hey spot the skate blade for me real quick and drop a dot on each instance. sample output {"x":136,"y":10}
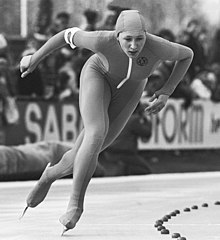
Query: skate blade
{"x":23,"y":212}
{"x":65,"y":230}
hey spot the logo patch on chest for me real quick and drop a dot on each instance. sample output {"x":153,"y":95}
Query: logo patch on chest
{"x":142,"y":61}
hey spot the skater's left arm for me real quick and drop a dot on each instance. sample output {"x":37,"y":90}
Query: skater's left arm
{"x":183,"y":60}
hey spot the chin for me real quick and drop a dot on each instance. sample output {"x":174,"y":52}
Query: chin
{"x":132,"y":55}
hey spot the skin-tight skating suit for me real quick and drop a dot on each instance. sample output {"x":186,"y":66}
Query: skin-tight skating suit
{"x":108,"y":67}
{"x":104,"y":108}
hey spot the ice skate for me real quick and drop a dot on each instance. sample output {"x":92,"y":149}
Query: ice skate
{"x":38,"y":194}
{"x":70,"y":218}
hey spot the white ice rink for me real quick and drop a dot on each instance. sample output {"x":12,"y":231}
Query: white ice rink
{"x":119,"y":208}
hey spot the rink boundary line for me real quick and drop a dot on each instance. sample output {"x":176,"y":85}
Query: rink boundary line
{"x":160,"y":176}
{"x":121,"y":179}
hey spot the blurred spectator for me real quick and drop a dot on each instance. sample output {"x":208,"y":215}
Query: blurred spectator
{"x":67,"y":83}
{"x":215,"y":67}
{"x":111,"y":19}
{"x":91,"y":19}
{"x":51,"y":65}
{"x":7,"y":79}
{"x":204,"y":41}
{"x":155,"y":82}
{"x":62,"y":55}
{"x":109,"y":23}
{"x":184,"y":91}
{"x":214,"y":51}
{"x":60,"y":23}
{"x":204,"y":84}
{"x":32,"y":85}
{"x":27,"y":161}
{"x":5,"y":50}
{"x":167,"y":34}
{"x":116,"y":10}
{"x":43,"y":19}
{"x":45,"y":30}
{"x":189,"y":37}
{"x":123,"y":152}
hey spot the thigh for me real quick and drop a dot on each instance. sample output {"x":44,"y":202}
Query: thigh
{"x":123,"y":103}
{"x":94,"y":100}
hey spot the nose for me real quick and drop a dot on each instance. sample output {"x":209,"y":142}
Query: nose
{"x":133,"y":44}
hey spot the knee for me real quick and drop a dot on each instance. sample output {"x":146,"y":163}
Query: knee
{"x":96,"y":135}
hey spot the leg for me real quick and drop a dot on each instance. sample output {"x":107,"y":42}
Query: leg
{"x":121,"y":108}
{"x":94,"y":141}
{"x":50,"y":174}
{"x":119,"y":111}
{"x":94,"y":102}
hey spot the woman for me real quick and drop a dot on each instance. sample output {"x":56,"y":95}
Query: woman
{"x":111,"y":84}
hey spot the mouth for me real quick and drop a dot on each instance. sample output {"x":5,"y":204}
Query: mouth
{"x":133,"y":53}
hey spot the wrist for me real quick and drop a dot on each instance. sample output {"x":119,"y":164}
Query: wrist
{"x":35,"y":60}
{"x":162,"y":92}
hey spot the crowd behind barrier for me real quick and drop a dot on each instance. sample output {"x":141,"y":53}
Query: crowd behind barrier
{"x":57,"y":77}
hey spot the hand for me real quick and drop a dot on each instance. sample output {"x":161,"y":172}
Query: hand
{"x":25,"y":66}
{"x":156,"y":104}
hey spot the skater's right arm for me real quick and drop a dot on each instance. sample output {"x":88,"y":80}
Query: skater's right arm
{"x":83,"y":39}
{"x":30,"y":62}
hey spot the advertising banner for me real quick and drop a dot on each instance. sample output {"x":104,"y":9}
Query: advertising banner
{"x":197,"y":127}
{"x":175,"y":127}
{"x":44,"y":121}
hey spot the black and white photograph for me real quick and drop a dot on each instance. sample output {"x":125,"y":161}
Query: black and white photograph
{"x":134,"y":156}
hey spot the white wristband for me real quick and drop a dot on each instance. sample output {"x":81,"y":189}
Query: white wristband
{"x":69,"y":34}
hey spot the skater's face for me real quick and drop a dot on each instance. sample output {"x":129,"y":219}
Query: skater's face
{"x":132,"y":42}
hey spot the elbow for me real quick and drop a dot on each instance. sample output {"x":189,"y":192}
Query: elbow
{"x":190,"y":54}
{"x":187,"y":55}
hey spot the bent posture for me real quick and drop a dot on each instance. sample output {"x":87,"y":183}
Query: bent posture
{"x":111,"y":84}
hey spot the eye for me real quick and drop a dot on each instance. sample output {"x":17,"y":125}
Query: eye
{"x":128,"y":39}
{"x":139,"y":38}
